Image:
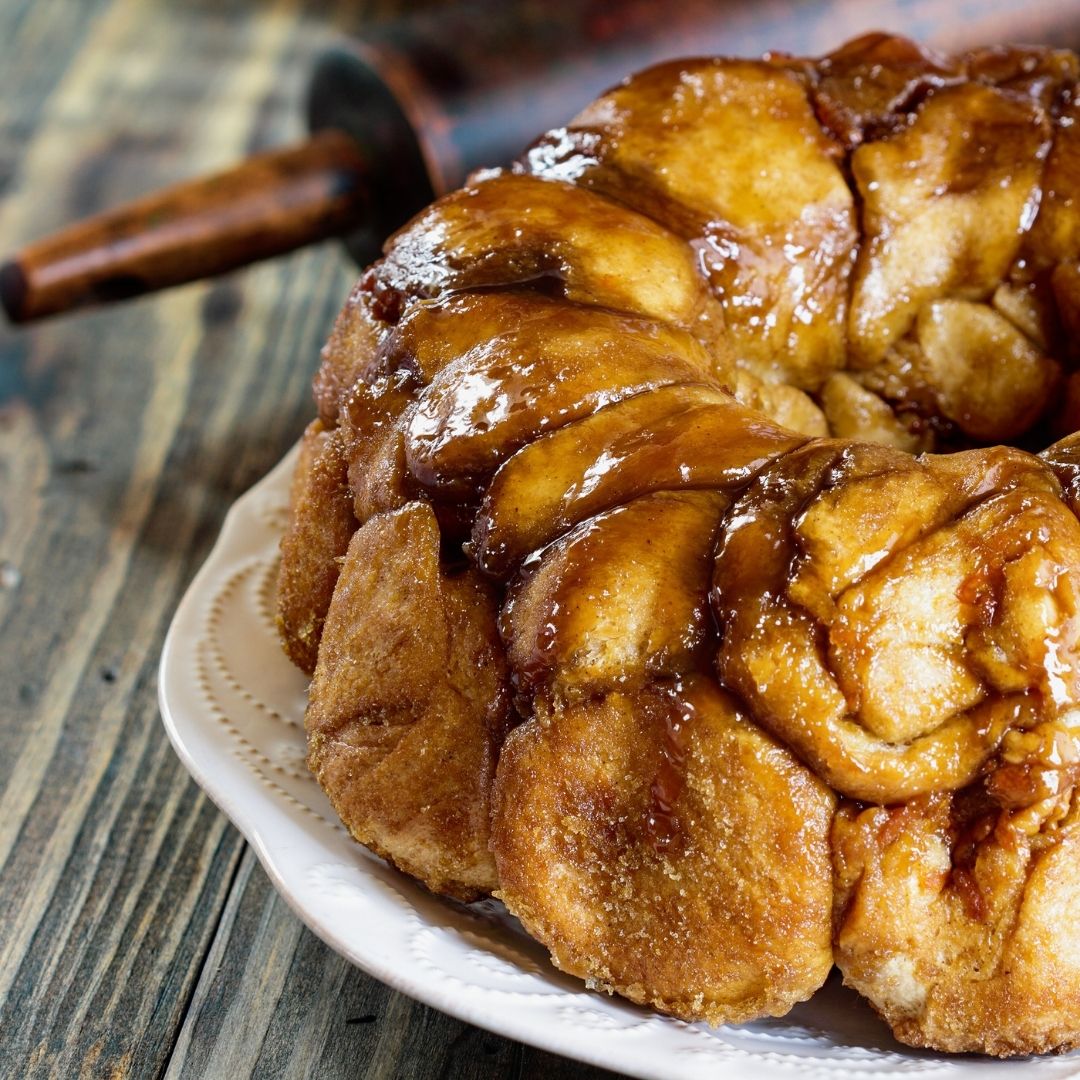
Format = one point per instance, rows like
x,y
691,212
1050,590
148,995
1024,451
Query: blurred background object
x,y
139,935
424,100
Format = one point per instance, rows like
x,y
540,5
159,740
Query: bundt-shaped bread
x,y
625,595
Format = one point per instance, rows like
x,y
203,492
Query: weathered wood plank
x,y
132,918
124,436
35,59
294,1009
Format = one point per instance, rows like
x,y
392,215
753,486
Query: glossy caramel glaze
x,y
617,446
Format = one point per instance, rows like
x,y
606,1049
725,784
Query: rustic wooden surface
x,y
138,935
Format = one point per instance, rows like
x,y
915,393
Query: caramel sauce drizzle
x,y
676,715
1025,795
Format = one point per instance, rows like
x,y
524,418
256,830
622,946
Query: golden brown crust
x,y
691,435
352,347
546,381
664,848
913,600
866,88
963,950
971,196
594,250
619,601
408,705
321,525
775,254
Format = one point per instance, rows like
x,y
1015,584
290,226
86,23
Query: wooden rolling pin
x,y
410,111
271,204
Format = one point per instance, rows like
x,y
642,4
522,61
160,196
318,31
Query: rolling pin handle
x,y
270,204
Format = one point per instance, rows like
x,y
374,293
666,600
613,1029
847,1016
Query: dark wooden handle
x,y
270,204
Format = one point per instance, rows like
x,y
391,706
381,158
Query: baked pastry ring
x,y
672,450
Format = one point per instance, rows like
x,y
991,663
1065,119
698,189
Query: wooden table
x,y
138,934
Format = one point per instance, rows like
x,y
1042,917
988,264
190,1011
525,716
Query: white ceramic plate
x,y
233,707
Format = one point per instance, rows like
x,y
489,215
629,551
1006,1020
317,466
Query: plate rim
x,y
513,1023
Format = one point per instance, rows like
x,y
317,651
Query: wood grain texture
x,y
299,1010
138,937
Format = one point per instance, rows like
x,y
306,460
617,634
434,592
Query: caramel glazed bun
x,y
657,565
